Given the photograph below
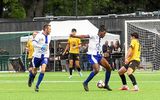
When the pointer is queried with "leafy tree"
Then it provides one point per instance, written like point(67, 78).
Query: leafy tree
point(13, 9)
point(30, 8)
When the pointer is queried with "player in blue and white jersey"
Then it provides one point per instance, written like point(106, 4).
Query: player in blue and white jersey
point(95, 57)
point(40, 55)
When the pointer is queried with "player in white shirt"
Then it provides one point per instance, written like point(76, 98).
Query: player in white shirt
point(95, 57)
point(40, 55)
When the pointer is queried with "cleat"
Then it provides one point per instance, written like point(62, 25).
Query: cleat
point(85, 86)
point(107, 87)
point(135, 88)
point(36, 89)
point(125, 87)
point(70, 77)
point(80, 74)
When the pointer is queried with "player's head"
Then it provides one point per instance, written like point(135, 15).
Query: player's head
point(135, 35)
point(34, 34)
point(102, 31)
point(47, 29)
point(74, 31)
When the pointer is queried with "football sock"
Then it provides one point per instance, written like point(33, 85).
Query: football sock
point(40, 78)
point(34, 75)
point(107, 77)
point(70, 71)
point(31, 75)
point(92, 74)
point(132, 78)
point(78, 69)
point(123, 79)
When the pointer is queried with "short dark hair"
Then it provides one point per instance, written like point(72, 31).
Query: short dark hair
point(46, 26)
point(134, 34)
point(102, 28)
point(74, 30)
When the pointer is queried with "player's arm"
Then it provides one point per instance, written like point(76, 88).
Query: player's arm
point(36, 43)
point(27, 46)
point(67, 48)
point(129, 54)
point(80, 36)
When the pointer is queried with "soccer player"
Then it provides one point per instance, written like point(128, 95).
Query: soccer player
point(132, 61)
point(30, 50)
point(41, 55)
point(95, 57)
point(73, 46)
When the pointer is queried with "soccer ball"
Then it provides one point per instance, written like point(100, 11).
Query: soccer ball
point(100, 84)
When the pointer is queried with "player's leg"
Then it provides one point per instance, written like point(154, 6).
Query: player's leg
point(121, 72)
point(33, 71)
point(70, 68)
point(41, 75)
point(131, 69)
point(30, 65)
point(93, 60)
point(106, 65)
point(77, 64)
point(78, 68)
point(70, 65)
point(90, 77)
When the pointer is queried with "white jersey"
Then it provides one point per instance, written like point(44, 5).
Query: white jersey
point(38, 42)
point(94, 45)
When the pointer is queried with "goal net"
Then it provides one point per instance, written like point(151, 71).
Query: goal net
point(149, 36)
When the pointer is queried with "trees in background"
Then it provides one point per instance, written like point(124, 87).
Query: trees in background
point(12, 9)
point(30, 8)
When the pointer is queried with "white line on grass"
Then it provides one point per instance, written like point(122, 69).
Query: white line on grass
point(12, 81)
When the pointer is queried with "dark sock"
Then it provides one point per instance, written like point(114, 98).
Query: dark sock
point(132, 78)
point(31, 75)
point(40, 78)
point(123, 79)
point(34, 75)
point(78, 69)
point(107, 77)
point(70, 71)
point(92, 74)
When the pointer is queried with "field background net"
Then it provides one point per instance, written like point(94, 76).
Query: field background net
point(11, 52)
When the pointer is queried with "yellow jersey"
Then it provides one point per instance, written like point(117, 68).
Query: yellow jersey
point(74, 45)
point(30, 48)
point(136, 50)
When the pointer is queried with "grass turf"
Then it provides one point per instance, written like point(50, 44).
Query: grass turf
point(57, 86)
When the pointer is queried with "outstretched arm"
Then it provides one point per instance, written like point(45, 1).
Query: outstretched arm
point(80, 36)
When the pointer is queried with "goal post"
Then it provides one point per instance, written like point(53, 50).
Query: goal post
point(149, 37)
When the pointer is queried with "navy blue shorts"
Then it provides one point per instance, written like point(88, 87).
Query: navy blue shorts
point(37, 62)
point(94, 59)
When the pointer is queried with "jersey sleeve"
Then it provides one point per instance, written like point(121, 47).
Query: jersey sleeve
point(36, 41)
point(27, 44)
point(68, 40)
point(132, 45)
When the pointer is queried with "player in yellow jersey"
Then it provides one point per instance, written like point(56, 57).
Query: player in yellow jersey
point(30, 50)
point(132, 61)
point(73, 46)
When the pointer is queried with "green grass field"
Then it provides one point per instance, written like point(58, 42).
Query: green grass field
point(57, 86)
